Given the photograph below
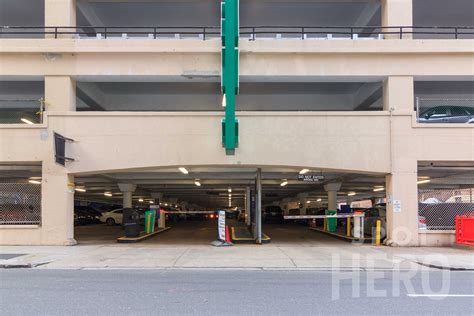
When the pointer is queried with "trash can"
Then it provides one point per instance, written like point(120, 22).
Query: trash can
point(131, 222)
point(332, 222)
point(150, 219)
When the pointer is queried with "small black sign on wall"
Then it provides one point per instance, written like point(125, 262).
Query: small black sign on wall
point(60, 149)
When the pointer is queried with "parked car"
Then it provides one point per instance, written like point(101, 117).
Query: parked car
point(317, 211)
point(447, 114)
point(372, 215)
point(116, 216)
point(272, 214)
point(85, 215)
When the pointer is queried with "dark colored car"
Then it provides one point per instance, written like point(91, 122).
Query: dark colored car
point(85, 215)
point(272, 214)
point(317, 211)
point(447, 114)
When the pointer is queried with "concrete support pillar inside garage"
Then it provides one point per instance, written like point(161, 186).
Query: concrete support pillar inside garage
point(303, 197)
point(127, 190)
point(331, 189)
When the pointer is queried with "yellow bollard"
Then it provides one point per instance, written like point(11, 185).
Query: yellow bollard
point(348, 231)
point(377, 233)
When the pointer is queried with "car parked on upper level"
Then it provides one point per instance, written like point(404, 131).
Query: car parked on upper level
point(447, 114)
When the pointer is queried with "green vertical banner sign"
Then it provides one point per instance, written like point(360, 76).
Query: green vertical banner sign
point(230, 73)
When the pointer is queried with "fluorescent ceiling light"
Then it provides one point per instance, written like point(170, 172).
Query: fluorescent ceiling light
point(107, 194)
point(33, 181)
point(166, 204)
point(24, 120)
point(285, 182)
point(319, 200)
point(183, 170)
point(423, 181)
point(229, 190)
point(379, 189)
point(80, 189)
point(140, 200)
point(197, 183)
point(351, 194)
point(304, 171)
point(307, 202)
point(151, 202)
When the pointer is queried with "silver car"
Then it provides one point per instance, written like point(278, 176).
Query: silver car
point(447, 114)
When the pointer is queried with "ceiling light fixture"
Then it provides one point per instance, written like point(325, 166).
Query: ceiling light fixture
point(351, 194)
point(197, 183)
point(307, 202)
point(26, 121)
point(107, 193)
point(304, 171)
point(140, 200)
point(285, 182)
point(34, 181)
point(319, 200)
point(229, 190)
point(152, 202)
point(80, 189)
point(183, 170)
point(423, 181)
point(379, 189)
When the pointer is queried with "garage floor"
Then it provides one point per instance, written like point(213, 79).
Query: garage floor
point(202, 233)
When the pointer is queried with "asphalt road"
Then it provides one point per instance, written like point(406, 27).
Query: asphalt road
point(231, 292)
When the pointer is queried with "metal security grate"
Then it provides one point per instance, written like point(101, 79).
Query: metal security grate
point(438, 208)
point(20, 203)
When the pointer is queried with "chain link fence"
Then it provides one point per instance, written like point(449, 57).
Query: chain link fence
point(459, 111)
point(438, 208)
point(20, 204)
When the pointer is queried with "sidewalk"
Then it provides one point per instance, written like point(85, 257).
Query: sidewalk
point(286, 257)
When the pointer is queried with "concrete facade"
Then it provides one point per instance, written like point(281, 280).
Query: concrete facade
point(108, 141)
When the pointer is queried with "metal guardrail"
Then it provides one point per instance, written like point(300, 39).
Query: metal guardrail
point(110, 31)
point(205, 32)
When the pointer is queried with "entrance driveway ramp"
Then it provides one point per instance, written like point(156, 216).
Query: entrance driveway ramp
point(285, 257)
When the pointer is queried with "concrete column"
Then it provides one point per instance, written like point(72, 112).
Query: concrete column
point(248, 205)
point(397, 13)
point(258, 217)
point(127, 190)
point(402, 190)
point(331, 189)
point(57, 207)
point(399, 93)
point(60, 93)
point(59, 13)
point(303, 197)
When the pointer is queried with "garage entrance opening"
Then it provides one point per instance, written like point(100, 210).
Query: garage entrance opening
point(257, 202)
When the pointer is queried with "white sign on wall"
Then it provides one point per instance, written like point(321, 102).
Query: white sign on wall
point(221, 225)
point(397, 206)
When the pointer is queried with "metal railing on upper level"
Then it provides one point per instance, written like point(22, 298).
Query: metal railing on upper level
point(251, 32)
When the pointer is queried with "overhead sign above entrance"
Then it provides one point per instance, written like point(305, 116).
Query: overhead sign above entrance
point(310, 177)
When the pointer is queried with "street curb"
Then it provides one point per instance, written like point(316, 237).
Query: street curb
point(434, 266)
